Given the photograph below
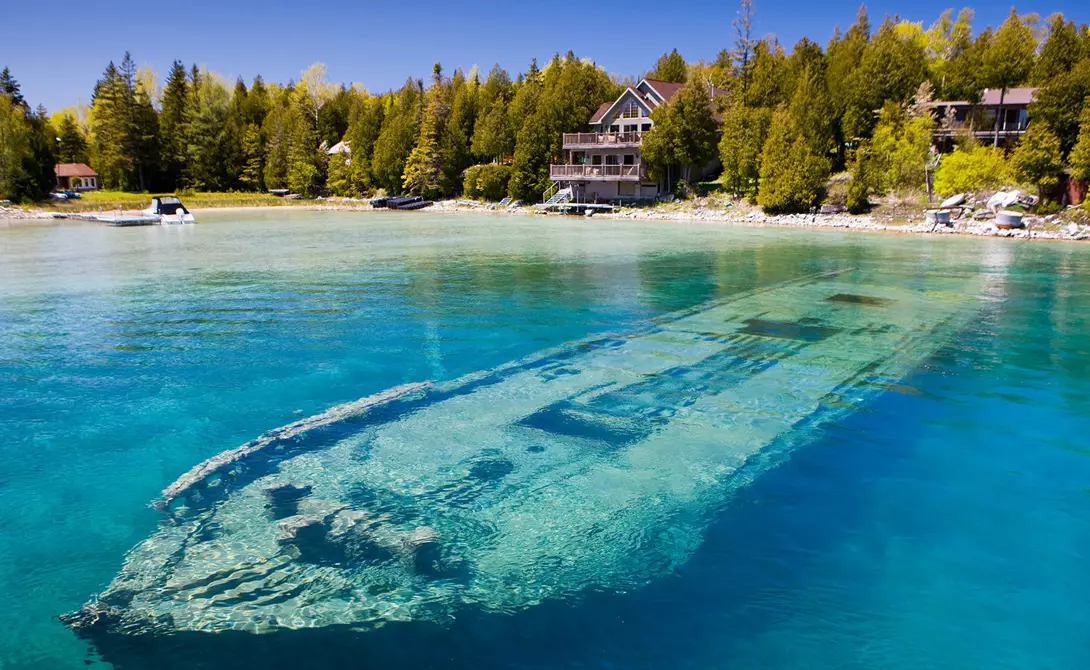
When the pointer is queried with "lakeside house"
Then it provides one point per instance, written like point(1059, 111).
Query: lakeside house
point(957, 117)
point(75, 177)
point(605, 164)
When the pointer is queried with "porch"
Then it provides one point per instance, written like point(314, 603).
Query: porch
point(635, 172)
point(621, 140)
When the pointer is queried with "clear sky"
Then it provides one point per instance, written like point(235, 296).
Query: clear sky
point(58, 51)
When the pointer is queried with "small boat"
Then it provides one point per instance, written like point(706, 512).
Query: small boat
point(1008, 219)
point(524, 483)
point(380, 202)
point(170, 210)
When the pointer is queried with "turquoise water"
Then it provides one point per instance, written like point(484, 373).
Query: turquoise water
point(942, 523)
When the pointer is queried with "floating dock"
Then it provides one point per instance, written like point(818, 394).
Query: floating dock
point(113, 218)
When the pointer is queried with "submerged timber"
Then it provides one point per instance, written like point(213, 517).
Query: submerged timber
point(595, 465)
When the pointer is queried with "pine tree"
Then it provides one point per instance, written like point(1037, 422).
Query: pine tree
point(365, 124)
point(109, 130)
point(172, 125)
point(253, 154)
point(424, 167)
point(71, 145)
point(1079, 160)
point(400, 128)
point(891, 67)
point(1060, 53)
point(1060, 102)
point(275, 132)
point(792, 174)
point(684, 132)
point(768, 84)
point(14, 144)
point(745, 130)
point(1037, 159)
point(303, 171)
point(10, 88)
point(670, 67)
point(1008, 60)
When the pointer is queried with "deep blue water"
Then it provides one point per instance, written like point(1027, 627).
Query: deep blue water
point(944, 525)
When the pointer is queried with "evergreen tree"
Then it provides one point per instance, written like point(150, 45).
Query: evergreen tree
point(37, 178)
point(172, 125)
point(684, 132)
point(275, 132)
point(892, 67)
point(303, 160)
point(71, 144)
point(844, 54)
point(792, 174)
point(745, 130)
point(253, 155)
point(1060, 53)
point(768, 84)
point(1037, 159)
point(213, 145)
point(365, 124)
point(1060, 102)
point(14, 145)
point(424, 167)
point(454, 145)
point(743, 45)
point(109, 130)
point(400, 128)
point(1008, 60)
point(1079, 160)
point(670, 67)
point(10, 88)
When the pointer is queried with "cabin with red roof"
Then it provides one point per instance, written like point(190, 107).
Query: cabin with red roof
point(605, 164)
point(75, 177)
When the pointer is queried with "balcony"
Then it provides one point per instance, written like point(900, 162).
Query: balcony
point(598, 172)
point(602, 140)
point(1009, 129)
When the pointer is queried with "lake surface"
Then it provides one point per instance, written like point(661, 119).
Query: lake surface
point(941, 523)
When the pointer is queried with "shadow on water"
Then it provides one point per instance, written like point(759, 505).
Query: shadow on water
point(760, 546)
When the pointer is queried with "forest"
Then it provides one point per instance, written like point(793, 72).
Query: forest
point(780, 122)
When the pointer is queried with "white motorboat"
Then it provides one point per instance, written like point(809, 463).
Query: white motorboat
point(170, 210)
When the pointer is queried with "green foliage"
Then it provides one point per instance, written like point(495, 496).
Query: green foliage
point(1060, 53)
point(1061, 101)
point(971, 171)
point(1009, 58)
point(684, 131)
point(745, 130)
point(489, 182)
point(1079, 160)
point(396, 140)
point(172, 123)
point(768, 76)
point(424, 167)
point(859, 188)
point(793, 173)
point(71, 144)
point(1037, 159)
point(253, 156)
point(899, 150)
point(670, 67)
point(892, 67)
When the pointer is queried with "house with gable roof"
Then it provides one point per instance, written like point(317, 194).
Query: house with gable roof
point(605, 164)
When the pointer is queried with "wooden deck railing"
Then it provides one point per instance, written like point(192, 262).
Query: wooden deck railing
point(598, 172)
point(631, 138)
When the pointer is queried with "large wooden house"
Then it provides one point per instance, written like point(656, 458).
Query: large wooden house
point(605, 164)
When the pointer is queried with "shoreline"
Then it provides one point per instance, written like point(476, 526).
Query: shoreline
point(701, 214)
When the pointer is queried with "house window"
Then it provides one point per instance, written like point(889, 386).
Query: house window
point(629, 159)
point(614, 128)
point(646, 127)
point(631, 111)
point(611, 159)
point(596, 159)
point(631, 128)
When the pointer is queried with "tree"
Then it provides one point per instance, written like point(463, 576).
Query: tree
point(743, 43)
point(684, 131)
point(454, 144)
point(1079, 160)
point(303, 170)
point(109, 130)
point(1037, 159)
point(1008, 60)
point(745, 130)
point(859, 188)
point(71, 144)
point(365, 124)
point(670, 67)
point(10, 88)
point(768, 85)
point(424, 167)
point(315, 90)
point(172, 124)
point(400, 128)
point(1060, 53)
point(899, 150)
point(212, 146)
point(1060, 102)
point(14, 144)
point(891, 67)
point(792, 174)
point(253, 155)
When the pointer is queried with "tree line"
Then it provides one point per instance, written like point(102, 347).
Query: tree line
point(780, 122)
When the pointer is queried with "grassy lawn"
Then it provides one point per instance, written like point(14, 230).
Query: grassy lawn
point(111, 200)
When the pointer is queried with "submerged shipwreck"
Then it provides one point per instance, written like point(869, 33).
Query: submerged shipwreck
point(595, 465)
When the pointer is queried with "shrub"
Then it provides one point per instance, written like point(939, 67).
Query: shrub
point(968, 171)
point(487, 181)
point(1037, 159)
point(858, 201)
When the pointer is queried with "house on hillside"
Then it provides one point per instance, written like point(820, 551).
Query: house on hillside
point(605, 164)
point(75, 177)
point(956, 117)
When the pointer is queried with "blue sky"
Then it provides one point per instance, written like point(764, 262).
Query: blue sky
point(57, 54)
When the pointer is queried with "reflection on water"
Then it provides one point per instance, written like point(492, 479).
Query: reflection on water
point(943, 526)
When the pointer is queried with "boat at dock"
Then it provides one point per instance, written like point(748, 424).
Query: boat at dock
point(170, 211)
point(595, 465)
point(402, 202)
point(163, 211)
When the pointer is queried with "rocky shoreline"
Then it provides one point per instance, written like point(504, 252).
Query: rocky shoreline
point(1038, 228)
